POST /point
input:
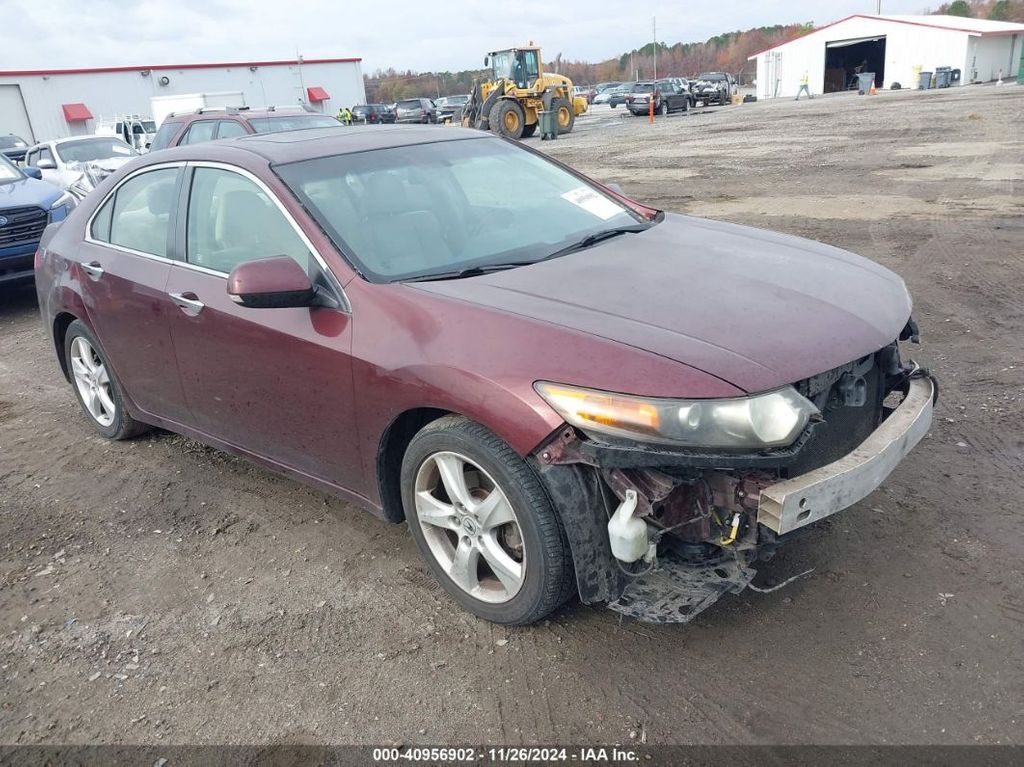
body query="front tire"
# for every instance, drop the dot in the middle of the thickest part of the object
(565, 115)
(484, 524)
(98, 391)
(507, 119)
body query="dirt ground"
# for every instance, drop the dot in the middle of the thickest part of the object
(160, 591)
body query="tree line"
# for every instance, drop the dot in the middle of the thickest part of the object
(727, 52)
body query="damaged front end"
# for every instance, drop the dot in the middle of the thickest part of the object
(90, 174)
(660, 533)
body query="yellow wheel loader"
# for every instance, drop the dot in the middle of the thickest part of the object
(509, 102)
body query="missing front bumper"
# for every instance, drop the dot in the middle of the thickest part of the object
(793, 503)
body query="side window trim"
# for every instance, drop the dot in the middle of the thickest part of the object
(110, 199)
(181, 226)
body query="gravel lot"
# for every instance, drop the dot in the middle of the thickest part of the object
(161, 591)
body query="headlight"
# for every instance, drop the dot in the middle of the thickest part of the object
(62, 206)
(773, 419)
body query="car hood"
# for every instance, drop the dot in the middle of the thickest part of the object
(28, 192)
(754, 308)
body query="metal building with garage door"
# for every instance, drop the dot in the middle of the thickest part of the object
(895, 48)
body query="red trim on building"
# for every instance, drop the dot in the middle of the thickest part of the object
(317, 94)
(166, 67)
(76, 113)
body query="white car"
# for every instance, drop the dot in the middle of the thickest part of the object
(79, 163)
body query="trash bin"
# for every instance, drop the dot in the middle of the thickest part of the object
(865, 80)
(943, 76)
(954, 77)
(926, 81)
(548, 124)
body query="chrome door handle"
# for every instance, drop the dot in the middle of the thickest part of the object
(188, 303)
(93, 269)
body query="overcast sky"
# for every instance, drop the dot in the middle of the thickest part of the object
(406, 34)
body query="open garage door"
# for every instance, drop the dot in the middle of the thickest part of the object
(13, 116)
(844, 58)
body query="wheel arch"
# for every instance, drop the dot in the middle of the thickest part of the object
(390, 452)
(61, 322)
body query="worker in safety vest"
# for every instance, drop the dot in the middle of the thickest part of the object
(805, 86)
(345, 116)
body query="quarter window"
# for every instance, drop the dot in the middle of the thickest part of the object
(231, 220)
(141, 212)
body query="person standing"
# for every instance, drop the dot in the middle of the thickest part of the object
(805, 86)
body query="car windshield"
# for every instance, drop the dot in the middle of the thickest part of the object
(444, 207)
(409, 104)
(453, 101)
(712, 76)
(7, 171)
(641, 88)
(291, 122)
(91, 149)
(12, 142)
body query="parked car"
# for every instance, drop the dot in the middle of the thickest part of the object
(614, 96)
(449, 108)
(715, 88)
(27, 205)
(415, 111)
(373, 114)
(13, 147)
(668, 97)
(586, 91)
(512, 372)
(78, 164)
(210, 123)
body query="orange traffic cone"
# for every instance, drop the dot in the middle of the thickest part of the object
(873, 91)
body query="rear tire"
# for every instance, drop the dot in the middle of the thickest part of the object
(96, 387)
(564, 115)
(459, 539)
(507, 119)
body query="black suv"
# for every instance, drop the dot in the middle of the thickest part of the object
(668, 97)
(211, 123)
(373, 114)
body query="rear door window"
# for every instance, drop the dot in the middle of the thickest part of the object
(141, 213)
(200, 131)
(230, 129)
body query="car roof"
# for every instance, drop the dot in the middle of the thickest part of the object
(309, 144)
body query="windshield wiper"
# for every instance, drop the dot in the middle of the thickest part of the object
(596, 237)
(469, 271)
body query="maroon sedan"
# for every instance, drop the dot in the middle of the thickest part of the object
(561, 391)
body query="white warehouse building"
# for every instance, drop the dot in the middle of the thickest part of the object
(40, 105)
(895, 48)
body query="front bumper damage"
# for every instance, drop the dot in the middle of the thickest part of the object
(710, 518)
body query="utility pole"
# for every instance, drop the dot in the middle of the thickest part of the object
(878, 7)
(654, 30)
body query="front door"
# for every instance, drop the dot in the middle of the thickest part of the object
(123, 267)
(275, 382)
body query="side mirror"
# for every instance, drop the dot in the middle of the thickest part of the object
(487, 61)
(46, 165)
(271, 283)
(33, 173)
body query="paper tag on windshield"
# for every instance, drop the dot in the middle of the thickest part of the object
(592, 202)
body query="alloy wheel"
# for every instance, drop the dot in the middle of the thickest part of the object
(470, 527)
(93, 382)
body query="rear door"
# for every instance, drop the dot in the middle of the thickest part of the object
(123, 265)
(275, 382)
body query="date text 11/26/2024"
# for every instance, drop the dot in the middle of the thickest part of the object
(504, 754)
